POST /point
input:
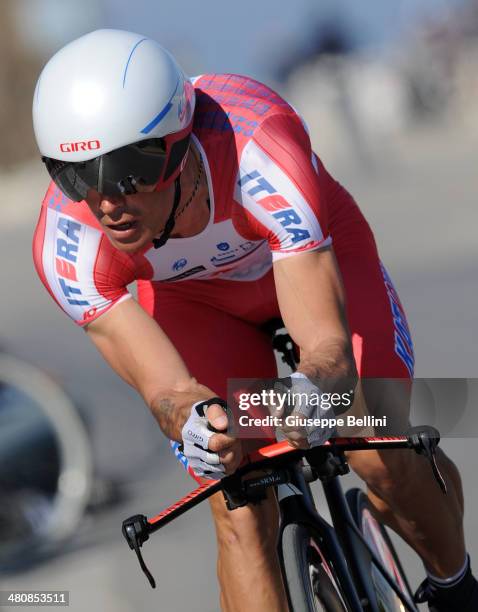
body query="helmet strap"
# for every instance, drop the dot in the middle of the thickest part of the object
(168, 228)
(100, 174)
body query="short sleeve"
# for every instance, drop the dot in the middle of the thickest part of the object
(279, 187)
(78, 266)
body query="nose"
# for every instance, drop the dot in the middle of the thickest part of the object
(111, 206)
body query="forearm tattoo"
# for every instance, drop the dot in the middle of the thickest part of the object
(169, 416)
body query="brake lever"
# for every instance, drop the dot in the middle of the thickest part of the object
(135, 531)
(424, 441)
(283, 344)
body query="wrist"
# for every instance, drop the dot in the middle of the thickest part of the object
(310, 382)
(298, 374)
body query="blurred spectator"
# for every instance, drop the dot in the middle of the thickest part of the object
(331, 38)
(441, 64)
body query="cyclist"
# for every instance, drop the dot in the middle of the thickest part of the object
(206, 192)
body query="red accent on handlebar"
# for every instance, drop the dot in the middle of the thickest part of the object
(281, 448)
(269, 452)
(184, 500)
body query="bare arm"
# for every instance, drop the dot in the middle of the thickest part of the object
(139, 351)
(312, 303)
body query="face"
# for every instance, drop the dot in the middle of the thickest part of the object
(132, 221)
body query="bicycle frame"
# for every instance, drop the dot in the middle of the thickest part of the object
(339, 545)
(297, 506)
(286, 472)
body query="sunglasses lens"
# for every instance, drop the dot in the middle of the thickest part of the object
(130, 169)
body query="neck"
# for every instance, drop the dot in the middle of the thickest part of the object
(193, 211)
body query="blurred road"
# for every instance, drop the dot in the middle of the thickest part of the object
(420, 200)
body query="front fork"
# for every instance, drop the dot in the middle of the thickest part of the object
(297, 506)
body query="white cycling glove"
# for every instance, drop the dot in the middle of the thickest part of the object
(195, 434)
(304, 402)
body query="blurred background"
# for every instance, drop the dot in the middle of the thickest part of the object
(389, 93)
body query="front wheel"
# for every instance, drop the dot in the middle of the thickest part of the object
(379, 541)
(307, 575)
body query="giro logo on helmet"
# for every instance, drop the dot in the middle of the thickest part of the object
(82, 145)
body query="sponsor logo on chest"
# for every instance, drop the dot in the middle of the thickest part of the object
(228, 253)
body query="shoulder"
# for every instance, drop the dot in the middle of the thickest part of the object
(260, 155)
(76, 262)
(57, 201)
(234, 103)
(234, 111)
(240, 121)
(280, 184)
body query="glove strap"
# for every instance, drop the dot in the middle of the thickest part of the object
(200, 407)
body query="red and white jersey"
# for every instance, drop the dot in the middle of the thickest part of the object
(270, 197)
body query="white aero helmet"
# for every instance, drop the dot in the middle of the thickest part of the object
(110, 110)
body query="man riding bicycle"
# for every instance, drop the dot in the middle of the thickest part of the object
(207, 193)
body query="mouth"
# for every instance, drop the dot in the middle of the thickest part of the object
(122, 231)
